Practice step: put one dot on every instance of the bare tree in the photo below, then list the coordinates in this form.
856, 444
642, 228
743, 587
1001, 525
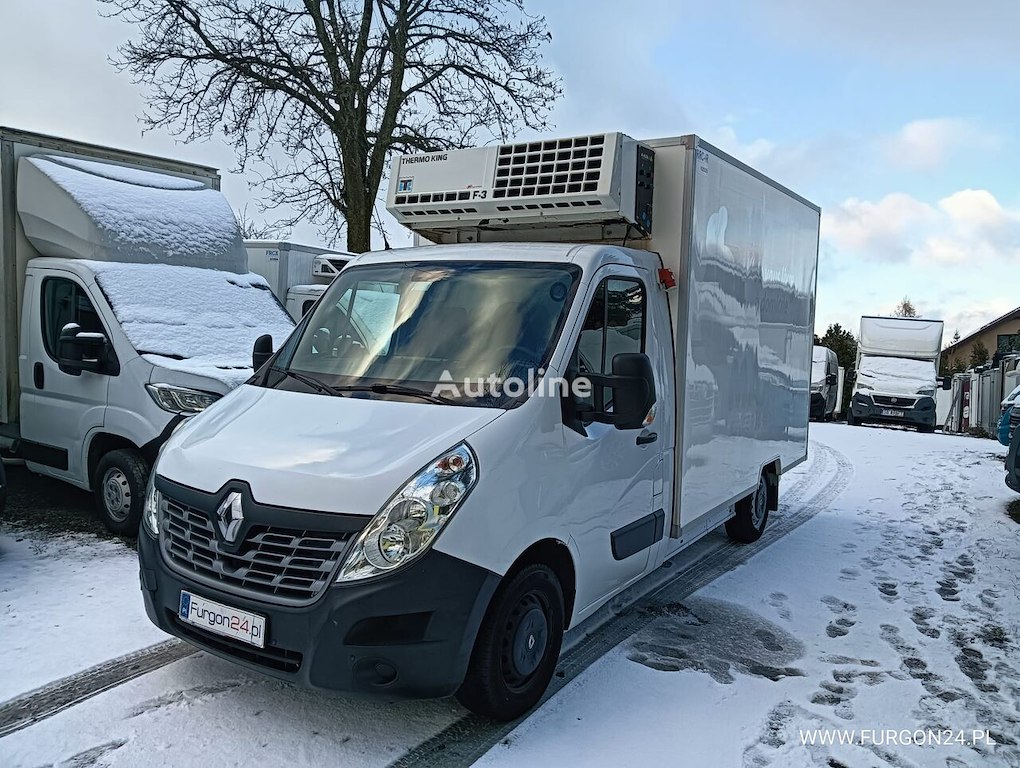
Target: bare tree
253, 229
905, 308
320, 92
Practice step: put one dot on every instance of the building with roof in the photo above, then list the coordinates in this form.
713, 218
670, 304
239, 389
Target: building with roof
1001, 335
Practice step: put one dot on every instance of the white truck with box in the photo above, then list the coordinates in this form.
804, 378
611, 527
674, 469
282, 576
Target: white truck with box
126, 307
464, 449
897, 372
297, 274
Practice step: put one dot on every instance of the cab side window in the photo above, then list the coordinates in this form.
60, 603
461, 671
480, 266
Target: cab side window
615, 324
63, 302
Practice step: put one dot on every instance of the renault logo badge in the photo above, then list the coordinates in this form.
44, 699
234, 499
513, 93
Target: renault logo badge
229, 516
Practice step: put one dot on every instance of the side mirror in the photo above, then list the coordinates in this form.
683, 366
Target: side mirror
79, 350
633, 386
262, 351
832, 379
946, 382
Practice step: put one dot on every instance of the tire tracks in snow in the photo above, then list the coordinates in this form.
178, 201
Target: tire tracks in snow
22, 711
469, 738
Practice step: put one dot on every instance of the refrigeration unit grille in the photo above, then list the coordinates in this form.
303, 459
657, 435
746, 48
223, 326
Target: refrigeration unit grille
557, 167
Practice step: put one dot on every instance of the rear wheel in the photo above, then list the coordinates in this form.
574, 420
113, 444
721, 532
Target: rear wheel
517, 647
119, 487
752, 513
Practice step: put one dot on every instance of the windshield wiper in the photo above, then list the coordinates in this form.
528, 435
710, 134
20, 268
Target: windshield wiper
310, 381
398, 389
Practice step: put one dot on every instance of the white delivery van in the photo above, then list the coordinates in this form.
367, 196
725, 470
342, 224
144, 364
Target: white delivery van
897, 372
824, 383
467, 448
126, 307
297, 274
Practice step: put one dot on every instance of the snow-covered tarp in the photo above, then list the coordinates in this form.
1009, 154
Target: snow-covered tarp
85, 209
203, 321
896, 375
901, 336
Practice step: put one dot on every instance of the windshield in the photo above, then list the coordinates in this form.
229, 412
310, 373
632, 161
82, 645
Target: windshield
430, 325
203, 321
818, 372
912, 373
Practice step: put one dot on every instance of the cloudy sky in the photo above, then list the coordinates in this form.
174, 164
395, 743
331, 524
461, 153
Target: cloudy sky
900, 119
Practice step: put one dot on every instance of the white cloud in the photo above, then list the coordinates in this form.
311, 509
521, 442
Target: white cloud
923, 145
877, 231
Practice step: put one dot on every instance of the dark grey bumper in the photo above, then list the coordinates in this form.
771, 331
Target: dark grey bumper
922, 414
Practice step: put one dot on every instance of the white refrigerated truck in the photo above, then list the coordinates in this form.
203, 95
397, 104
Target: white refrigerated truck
464, 449
126, 305
897, 372
297, 274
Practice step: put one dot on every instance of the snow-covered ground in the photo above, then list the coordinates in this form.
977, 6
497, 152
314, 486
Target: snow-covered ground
66, 603
896, 607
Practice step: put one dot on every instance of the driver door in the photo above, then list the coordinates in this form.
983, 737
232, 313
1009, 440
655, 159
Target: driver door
58, 409
611, 514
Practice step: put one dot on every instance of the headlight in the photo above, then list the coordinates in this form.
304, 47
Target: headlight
411, 520
816, 388
862, 385
926, 391
153, 501
180, 399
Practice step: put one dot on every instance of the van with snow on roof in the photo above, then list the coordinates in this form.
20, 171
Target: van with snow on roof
466, 449
897, 372
127, 306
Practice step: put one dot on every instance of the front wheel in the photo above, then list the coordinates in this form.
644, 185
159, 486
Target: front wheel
119, 487
752, 513
517, 647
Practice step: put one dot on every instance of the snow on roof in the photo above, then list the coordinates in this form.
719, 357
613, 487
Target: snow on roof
101, 211
203, 321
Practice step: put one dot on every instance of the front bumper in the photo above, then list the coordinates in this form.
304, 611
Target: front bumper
409, 633
817, 405
922, 414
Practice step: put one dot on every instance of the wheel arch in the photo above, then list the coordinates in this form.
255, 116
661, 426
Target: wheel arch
771, 471
555, 554
100, 445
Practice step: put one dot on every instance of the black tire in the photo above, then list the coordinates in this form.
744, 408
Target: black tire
526, 611
119, 487
925, 428
752, 513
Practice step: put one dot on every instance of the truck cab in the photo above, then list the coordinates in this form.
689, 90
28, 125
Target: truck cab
136, 311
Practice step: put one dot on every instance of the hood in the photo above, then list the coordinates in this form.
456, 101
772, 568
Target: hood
313, 452
895, 375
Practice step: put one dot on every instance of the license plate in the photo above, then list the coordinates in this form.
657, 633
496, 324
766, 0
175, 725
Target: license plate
894, 414
223, 620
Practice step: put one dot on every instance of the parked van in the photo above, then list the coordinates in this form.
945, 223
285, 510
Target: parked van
126, 307
465, 449
824, 383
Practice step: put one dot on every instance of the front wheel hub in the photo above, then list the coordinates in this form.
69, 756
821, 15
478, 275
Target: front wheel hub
528, 639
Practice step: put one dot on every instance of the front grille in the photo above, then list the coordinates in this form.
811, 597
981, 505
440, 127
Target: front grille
275, 658
888, 401
280, 565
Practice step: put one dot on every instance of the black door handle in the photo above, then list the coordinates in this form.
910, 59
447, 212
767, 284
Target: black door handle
647, 437
38, 376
